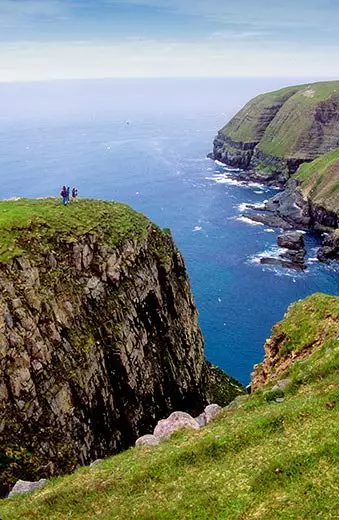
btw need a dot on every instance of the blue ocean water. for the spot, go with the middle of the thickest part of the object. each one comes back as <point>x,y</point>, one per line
<point>145,143</point>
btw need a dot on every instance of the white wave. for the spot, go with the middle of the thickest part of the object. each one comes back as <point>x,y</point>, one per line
<point>197,228</point>
<point>227,178</point>
<point>301,231</point>
<point>249,221</point>
<point>255,185</point>
<point>313,259</point>
<point>273,252</point>
<point>246,205</point>
<point>242,207</point>
<point>228,168</point>
<point>269,230</point>
<point>223,180</point>
<point>260,192</point>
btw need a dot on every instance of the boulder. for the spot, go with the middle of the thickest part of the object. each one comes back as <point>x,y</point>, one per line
<point>211,411</point>
<point>147,440</point>
<point>201,419</point>
<point>293,240</point>
<point>174,422</point>
<point>282,384</point>
<point>23,486</point>
<point>330,248</point>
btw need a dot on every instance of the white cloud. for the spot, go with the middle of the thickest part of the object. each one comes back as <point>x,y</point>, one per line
<point>40,61</point>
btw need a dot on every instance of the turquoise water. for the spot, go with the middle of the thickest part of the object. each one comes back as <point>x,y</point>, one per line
<point>116,141</point>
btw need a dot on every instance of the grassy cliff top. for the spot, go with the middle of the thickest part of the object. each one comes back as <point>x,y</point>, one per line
<point>25,221</point>
<point>261,459</point>
<point>310,322</point>
<point>296,122</point>
<point>247,125</point>
<point>319,180</point>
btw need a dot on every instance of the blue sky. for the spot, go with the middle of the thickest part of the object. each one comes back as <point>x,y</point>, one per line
<point>47,39</point>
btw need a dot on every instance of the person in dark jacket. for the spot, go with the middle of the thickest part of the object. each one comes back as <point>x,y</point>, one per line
<point>63,194</point>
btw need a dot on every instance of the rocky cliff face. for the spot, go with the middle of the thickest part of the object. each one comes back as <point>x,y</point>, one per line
<point>97,343</point>
<point>276,132</point>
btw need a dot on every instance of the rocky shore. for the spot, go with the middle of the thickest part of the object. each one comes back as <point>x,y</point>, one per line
<point>292,255</point>
<point>268,146</point>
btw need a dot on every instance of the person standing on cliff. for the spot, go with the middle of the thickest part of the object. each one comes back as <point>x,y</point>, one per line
<point>63,194</point>
<point>68,193</point>
<point>75,194</point>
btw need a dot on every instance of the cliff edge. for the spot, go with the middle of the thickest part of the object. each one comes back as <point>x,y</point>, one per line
<point>99,335</point>
<point>276,132</point>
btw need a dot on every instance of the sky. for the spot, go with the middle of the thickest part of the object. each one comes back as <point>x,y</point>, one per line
<point>74,39</point>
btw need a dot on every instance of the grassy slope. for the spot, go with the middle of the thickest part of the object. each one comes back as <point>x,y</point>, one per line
<point>291,129</point>
<point>26,221</point>
<point>260,459</point>
<point>244,126</point>
<point>320,180</point>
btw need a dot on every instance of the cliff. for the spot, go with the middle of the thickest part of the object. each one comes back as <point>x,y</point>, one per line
<point>272,454</point>
<point>308,326</point>
<point>276,132</point>
<point>99,335</point>
<point>310,200</point>
<point>318,182</point>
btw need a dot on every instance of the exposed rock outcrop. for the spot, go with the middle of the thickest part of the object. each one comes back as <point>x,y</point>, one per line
<point>330,248</point>
<point>97,341</point>
<point>306,327</point>
<point>23,486</point>
<point>292,254</point>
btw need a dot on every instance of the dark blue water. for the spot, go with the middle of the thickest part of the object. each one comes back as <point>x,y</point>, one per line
<point>147,146</point>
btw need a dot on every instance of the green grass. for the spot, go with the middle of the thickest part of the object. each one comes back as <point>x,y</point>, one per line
<point>319,180</point>
<point>245,126</point>
<point>282,122</point>
<point>260,460</point>
<point>31,224</point>
<point>314,320</point>
<point>290,133</point>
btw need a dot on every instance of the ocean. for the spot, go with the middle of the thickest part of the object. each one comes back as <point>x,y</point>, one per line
<point>144,142</point>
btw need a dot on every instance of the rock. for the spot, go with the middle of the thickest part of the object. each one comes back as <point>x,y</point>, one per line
<point>294,246</point>
<point>279,400</point>
<point>211,411</point>
<point>23,486</point>
<point>201,419</point>
<point>293,253</point>
<point>147,440</point>
<point>282,384</point>
<point>268,260</point>
<point>330,248</point>
<point>293,240</point>
<point>174,422</point>
<point>95,462</point>
<point>269,219</point>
